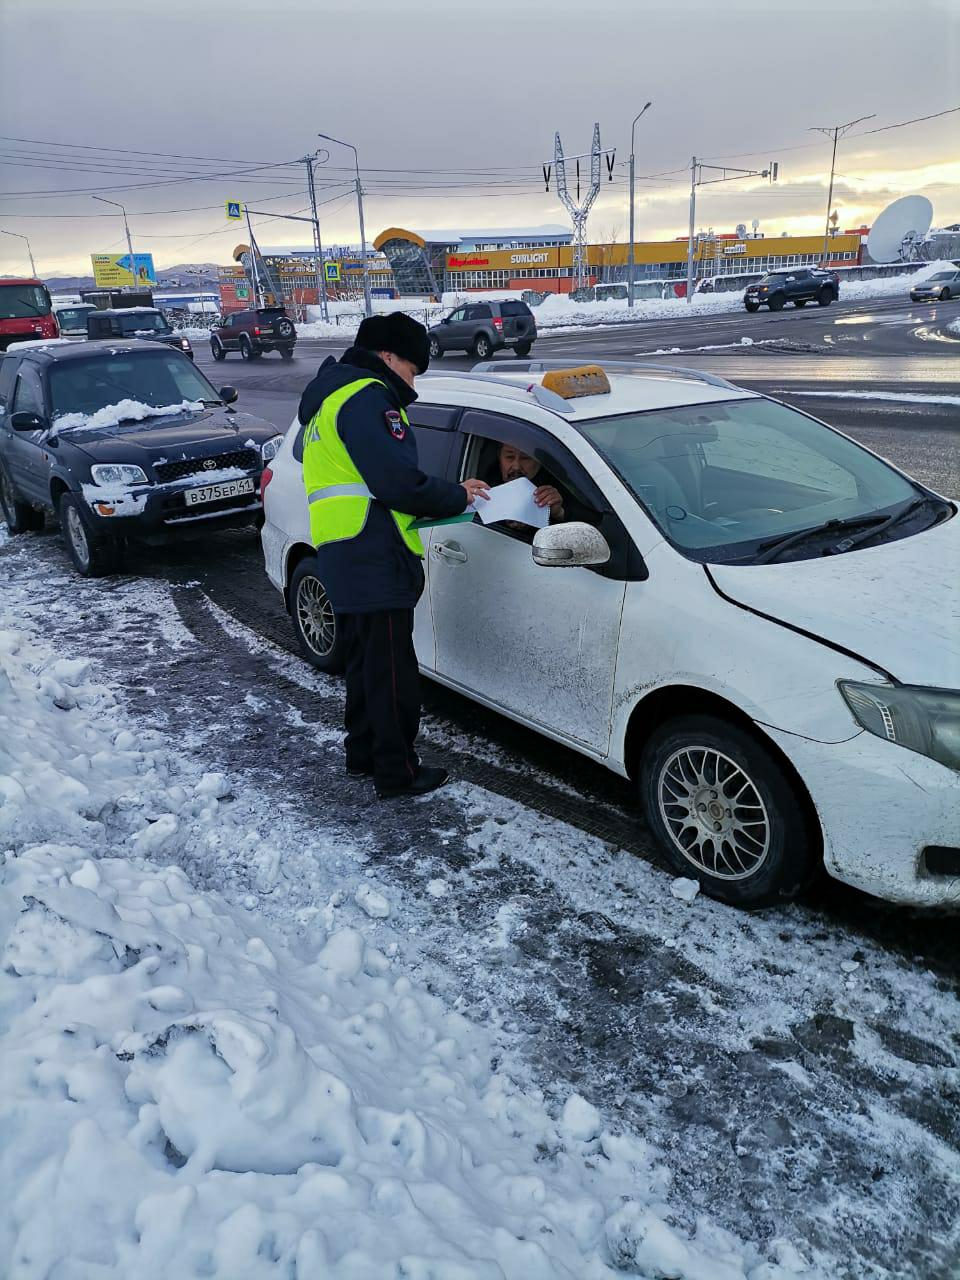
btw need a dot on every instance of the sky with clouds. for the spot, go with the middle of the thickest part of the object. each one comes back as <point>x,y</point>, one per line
<point>453,108</point>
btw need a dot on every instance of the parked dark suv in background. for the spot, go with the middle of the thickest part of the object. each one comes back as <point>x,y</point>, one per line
<point>799,285</point>
<point>254,332</point>
<point>146,323</point>
<point>485,327</point>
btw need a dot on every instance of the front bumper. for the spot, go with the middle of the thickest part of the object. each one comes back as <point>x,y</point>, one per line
<point>880,806</point>
<point>159,512</point>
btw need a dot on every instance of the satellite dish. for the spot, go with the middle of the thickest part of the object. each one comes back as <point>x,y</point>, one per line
<point>741,230</point>
<point>898,230</point>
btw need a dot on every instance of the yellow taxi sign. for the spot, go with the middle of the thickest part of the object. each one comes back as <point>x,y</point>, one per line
<point>585,380</point>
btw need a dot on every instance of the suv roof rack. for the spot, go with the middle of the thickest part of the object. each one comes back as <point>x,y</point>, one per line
<point>548,399</point>
<point>492,368</point>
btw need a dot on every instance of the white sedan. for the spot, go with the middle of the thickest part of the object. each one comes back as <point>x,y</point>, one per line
<point>751,616</point>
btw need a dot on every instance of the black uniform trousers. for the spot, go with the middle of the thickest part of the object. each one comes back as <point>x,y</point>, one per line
<point>382,714</point>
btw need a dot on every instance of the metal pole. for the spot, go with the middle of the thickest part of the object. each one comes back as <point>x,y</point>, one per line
<point>630,267</point>
<point>693,216</point>
<point>33,265</point>
<point>367,301</point>
<point>117,205</point>
<point>826,228</point>
<point>257,295</point>
<point>317,246</point>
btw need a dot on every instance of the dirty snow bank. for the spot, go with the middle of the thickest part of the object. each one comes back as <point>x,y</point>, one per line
<point>187,1093</point>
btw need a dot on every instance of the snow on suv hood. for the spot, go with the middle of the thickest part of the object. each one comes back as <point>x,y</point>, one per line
<point>897,605</point>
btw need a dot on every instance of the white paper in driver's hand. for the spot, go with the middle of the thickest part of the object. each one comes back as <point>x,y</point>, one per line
<point>513,501</point>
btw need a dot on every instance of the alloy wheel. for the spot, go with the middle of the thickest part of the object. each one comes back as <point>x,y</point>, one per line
<point>78,536</point>
<point>7,499</point>
<point>713,813</point>
<point>315,616</point>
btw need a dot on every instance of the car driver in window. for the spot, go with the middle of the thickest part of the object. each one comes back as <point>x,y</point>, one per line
<point>510,464</point>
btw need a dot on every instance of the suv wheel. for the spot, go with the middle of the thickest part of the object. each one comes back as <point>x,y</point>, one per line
<point>752,306</point>
<point>92,556</point>
<point>284,329</point>
<point>20,516</point>
<point>482,347</point>
<point>825,296</point>
<point>522,349</point>
<point>776,302</point>
<point>436,351</point>
<point>247,350</point>
<point>286,353</point>
<point>725,813</point>
<point>314,622</point>
<point>217,349</point>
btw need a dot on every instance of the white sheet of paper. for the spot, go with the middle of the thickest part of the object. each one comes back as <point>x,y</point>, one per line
<point>513,501</point>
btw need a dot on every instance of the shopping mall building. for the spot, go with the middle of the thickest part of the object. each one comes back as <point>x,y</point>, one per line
<point>409,263</point>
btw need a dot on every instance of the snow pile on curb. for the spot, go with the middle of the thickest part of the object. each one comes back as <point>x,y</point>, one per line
<point>111,415</point>
<point>186,1094</point>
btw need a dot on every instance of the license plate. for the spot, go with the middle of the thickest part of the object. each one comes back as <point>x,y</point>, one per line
<point>213,492</point>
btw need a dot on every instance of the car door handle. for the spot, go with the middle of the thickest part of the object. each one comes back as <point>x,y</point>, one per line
<point>450,552</point>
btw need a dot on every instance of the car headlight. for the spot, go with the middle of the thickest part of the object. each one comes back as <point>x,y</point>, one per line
<point>920,719</point>
<point>271,448</point>
<point>185,344</point>
<point>118,473</point>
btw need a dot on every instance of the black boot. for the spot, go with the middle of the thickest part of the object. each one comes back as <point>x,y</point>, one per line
<point>428,778</point>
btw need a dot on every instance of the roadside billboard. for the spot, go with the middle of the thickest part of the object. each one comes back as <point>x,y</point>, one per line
<point>113,270</point>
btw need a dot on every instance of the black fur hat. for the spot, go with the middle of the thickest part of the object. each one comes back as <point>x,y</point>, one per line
<point>398,333</point>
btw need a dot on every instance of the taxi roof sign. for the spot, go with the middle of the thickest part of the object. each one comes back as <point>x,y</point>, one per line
<point>570,384</point>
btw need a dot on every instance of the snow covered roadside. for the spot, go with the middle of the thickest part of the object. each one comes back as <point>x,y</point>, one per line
<point>187,1092</point>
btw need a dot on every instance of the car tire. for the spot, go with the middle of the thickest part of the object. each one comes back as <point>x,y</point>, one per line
<point>92,556</point>
<point>247,350</point>
<point>20,516</point>
<point>752,306</point>
<point>436,351</point>
<point>217,350</point>
<point>314,622</point>
<point>482,347</point>
<point>286,353</point>
<point>776,303</point>
<point>284,329</point>
<point>769,853</point>
<point>800,302</point>
<point>522,350</point>
<point>824,297</point>
<point>945,294</point>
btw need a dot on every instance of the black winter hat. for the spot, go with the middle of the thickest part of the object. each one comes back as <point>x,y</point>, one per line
<point>398,333</point>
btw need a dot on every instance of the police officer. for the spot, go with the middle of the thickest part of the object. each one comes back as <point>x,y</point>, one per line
<point>364,490</point>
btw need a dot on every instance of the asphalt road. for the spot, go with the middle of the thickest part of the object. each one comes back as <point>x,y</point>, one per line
<point>804,357</point>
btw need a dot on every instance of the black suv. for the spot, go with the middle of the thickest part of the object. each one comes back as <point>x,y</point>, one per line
<point>136,322</point>
<point>485,327</point>
<point>254,332</point>
<point>798,285</point>
<point>177,462</point>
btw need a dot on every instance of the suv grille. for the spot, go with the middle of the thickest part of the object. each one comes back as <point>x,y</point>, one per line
<point>249,459</point>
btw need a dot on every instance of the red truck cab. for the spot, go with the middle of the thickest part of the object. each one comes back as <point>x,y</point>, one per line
<point>25,311</point>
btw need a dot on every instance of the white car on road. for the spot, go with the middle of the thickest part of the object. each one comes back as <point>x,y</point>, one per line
<point>753,617</point>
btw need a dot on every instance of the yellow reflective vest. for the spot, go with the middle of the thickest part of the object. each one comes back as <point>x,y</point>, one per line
<point>337,496</point>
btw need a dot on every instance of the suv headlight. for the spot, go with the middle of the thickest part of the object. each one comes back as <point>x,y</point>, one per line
<point>184,344</point>
<point>118,473</point>
<point>271,448</point>
<point>920,719</point>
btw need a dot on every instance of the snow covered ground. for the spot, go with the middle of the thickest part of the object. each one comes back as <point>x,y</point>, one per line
<point>254,1026</point>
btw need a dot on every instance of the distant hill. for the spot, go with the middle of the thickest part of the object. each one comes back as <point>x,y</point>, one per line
<point>188,275</point>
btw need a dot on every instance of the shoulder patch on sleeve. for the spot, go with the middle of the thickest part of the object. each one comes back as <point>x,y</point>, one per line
<point>395,424</point>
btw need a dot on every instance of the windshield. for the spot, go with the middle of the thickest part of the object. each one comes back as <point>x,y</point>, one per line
<point>73,319</point>
<point>943,275</point>
<point>20,301</point>
<point>156,378</point>
<point>718,479</point>
<point>774,279</point>
<point>142,322</point>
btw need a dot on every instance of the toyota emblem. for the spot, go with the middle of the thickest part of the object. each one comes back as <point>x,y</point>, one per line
<point>209,464</point>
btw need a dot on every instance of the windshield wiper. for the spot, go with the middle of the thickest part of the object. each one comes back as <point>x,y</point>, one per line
<point>773,547</point>
<point>849,543</point>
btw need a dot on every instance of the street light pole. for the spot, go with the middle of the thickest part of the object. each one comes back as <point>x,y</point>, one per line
<point>693,218</point>
<point>631,258</point>
<point>367,300</point>
<point>835,132</point>
<point>317,246</point>
<point>126,227</point>
<point>33,265</point>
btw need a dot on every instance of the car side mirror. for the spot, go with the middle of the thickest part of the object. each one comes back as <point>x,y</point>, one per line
<point>27,422</point>
<point>228,394</point>
<point>445,320</point>
<point>564,546</point>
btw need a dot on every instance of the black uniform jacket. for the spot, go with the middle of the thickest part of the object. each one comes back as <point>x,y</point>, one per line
<point>375,570</point>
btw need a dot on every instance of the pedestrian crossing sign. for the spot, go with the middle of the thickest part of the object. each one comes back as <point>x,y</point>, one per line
<point>331,271</point>
<point>233,210</point>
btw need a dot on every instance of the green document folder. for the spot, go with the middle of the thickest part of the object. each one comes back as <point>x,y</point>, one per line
<point>430,522</point>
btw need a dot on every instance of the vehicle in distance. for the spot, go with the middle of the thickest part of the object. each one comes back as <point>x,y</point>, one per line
<point>72,318</point>
<point>122,443</point>
<point>143,323</point>
<point>26,312</point>
<point>253,332</point>
<point>485,327</point>
<point>716,625</point>
<point>938,288</point>
<point>799,285</point>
